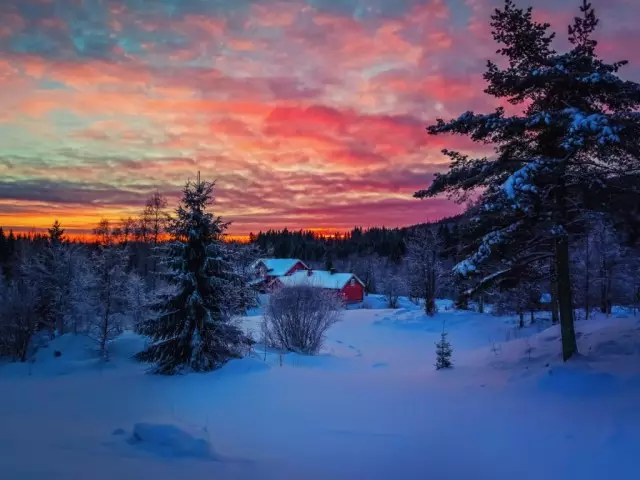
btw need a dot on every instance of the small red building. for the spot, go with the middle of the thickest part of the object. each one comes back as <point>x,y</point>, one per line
<point>347,285</point>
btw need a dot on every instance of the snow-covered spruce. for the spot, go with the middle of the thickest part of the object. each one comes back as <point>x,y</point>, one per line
<point>572,151</point>
<point>195,327</point>
<point>443,352</point>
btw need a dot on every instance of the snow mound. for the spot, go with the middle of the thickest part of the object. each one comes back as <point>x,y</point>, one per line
<point>609,359</point>
<point>75,353</point>
<point>170,441</point>
<point>244,365</point>
<point>579,382</point>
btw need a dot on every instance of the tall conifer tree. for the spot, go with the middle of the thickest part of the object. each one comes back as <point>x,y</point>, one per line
<point>573,149</point>
<point>195,326</point>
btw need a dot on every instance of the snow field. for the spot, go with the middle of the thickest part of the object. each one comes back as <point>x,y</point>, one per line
<point>371,406</point>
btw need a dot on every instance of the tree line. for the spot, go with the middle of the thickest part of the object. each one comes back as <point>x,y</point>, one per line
<point>170,277</point>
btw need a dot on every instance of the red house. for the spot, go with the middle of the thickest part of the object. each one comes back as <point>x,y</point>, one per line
<point>266,270</point>
<point>347,285</point>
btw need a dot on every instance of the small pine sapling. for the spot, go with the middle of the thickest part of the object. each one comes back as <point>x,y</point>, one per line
<point>443,352</point>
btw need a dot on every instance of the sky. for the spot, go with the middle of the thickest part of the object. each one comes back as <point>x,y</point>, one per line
<point>306,113</point>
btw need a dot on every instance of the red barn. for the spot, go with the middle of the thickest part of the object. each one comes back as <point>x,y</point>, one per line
<point>350,288</point>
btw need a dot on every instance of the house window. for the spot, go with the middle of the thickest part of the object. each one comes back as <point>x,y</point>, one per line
<point>352,282</point>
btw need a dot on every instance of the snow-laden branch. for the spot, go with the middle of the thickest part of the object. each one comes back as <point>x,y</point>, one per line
<point>486,249</point>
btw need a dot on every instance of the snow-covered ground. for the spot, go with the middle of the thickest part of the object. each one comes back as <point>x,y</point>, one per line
<point>371,407</point>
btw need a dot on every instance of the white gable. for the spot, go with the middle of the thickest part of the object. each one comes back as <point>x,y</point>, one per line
<point>277,266</point>
<point>320,278</point>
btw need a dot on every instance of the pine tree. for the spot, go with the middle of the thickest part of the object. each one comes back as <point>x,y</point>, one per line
<point>56,233</point>
<point>3,247</point>
<point>572,150</point>
<point>328,261</point>
<point>194,328</point>
<point>11,244</point>
<point>443,352</point>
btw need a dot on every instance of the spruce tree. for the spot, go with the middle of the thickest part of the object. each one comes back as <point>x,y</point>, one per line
<point>194,328</point>
<point>573,150</point>
<point>443,352</point>
<point>3,246</point>
<point>56,233</point>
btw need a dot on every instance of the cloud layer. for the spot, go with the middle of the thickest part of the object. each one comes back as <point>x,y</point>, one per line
<point>309,114</point>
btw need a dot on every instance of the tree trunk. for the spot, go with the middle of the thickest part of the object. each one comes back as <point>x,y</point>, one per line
<point>554,292</point>
<point>521,314</point>
<point>603,287</point>
<point>533,320</point>
<point>565,302</point>
<point>481,303</point>
<point>24,347</point>
<point>587,307</point>
<point>609,290</point>
<point>105,325</point>
<point>462,302</point>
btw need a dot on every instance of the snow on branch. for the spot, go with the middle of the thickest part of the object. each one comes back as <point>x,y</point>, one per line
<point>464,172</point>
<point>479,126</point>
<point>487,246</point>
<point>521,180</point>
<point>582,125</point>
<point>486,281</point>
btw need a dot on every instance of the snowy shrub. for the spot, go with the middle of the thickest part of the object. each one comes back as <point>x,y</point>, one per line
<point>392,289</point>
<point>297,318</point>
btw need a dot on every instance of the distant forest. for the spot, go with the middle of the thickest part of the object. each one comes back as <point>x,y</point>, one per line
<point>388,243</point>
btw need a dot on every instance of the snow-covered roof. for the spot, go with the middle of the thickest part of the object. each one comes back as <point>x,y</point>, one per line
<point>278,266</point>
<point>320,278</point>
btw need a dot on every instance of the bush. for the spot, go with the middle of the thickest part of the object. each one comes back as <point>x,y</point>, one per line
<point>392,289</point>
<point>297,318</point>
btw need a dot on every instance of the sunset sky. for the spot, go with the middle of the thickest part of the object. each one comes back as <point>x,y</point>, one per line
<point>308,113</point>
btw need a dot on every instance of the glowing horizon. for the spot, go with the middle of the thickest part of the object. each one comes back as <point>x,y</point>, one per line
<point>309,114</point>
